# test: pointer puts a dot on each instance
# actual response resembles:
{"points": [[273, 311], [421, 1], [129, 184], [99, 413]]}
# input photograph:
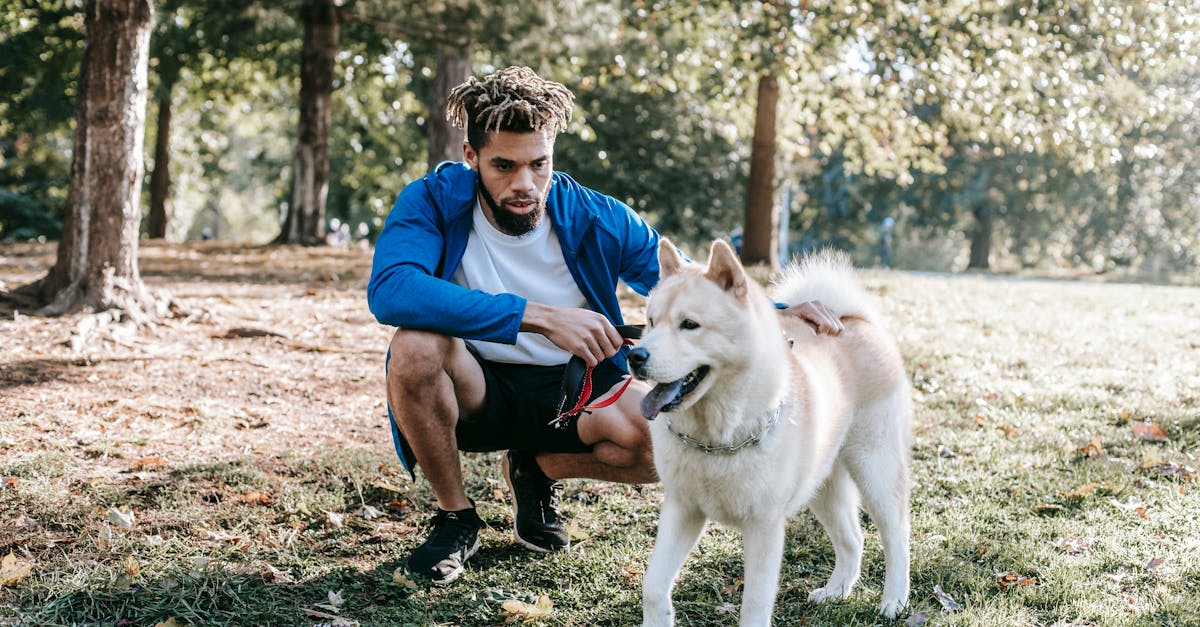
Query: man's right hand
{"points": [[582, 332]]}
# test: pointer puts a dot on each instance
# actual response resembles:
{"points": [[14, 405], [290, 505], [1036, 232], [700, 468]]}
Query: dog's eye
{"points": [[688, 325]]}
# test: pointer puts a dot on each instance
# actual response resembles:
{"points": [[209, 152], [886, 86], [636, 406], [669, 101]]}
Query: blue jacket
{"points": [[425, 235]]}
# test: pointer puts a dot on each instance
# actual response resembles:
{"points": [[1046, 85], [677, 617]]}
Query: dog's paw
{"points": [[828, 593], [891, 608]]}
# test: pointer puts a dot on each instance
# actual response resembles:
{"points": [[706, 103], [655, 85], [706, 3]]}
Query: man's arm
{"points": [[582, 332], [403, 290]]}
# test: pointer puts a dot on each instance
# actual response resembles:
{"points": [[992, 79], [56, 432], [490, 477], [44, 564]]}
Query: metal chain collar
{"points": [[728, 449]]}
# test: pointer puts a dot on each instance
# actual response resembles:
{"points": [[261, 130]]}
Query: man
{"points": [[496, 271]]}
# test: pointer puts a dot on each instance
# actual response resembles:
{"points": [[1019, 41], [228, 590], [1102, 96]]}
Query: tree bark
{"points": [[981, 236], [96, 266], [160, 178], [445, 141], [305, 220], [759, 234]]}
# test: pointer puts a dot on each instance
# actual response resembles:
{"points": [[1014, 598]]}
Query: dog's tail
{"points": [[828, 276]]}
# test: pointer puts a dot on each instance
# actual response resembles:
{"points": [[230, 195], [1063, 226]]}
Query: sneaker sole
{"points": [[513, 495], [454, 574]]}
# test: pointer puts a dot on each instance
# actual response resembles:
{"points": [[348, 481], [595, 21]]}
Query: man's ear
{"points": [[470, 156], [725, 270], [669, 259]]}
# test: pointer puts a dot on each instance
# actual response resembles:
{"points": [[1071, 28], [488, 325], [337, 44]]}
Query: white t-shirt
{"points": [[530, 266]]}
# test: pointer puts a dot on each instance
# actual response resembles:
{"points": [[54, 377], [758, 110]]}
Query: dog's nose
{"points": [[637, 361]]}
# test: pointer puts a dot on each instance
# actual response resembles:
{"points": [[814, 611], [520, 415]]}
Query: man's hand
{"points": [[816, 314], [581, 332]]}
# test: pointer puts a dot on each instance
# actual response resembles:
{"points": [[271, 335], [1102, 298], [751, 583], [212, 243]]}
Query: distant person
{"points": [[886, 230], [497, 270]]}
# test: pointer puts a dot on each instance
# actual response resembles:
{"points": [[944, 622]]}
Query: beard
{"points": [[508, 221]]}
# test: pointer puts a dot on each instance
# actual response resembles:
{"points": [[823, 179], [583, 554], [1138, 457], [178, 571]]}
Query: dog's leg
{"points": [[882, 477], [763, 543], [836, 508], [679, 528]]}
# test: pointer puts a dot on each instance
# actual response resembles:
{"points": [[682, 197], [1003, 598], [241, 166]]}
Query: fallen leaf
{"points": [[1169, 469], [383, 485], [170, 622], [1010, 431], [946, 452], [400, 577], [122, 519], [514, 610], [1094, 447], [254, 498], [948, 603], [11, 482], [368, 512], [335, 520], [1150, 432], [270, 574], [148, 463], [1072, 545], [1014, 580], [732, 589], [917, 620], [13, 569], [335, 598], [1155, 563]]}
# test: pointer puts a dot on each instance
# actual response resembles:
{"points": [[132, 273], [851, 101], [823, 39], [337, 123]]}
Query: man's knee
{"points": [[417, 356]]}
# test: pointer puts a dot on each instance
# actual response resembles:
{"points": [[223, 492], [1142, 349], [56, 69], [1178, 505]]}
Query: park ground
{"points": [[231, 464]]}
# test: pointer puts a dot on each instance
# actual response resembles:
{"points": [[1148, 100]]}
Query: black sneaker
{"points": [[537, 523], [453, 539]]}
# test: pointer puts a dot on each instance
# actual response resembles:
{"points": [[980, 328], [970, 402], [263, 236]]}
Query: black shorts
{"points": [[522, 402]]}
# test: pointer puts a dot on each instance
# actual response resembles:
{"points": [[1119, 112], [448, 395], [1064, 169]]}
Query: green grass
{"points": [[1011, 380]]}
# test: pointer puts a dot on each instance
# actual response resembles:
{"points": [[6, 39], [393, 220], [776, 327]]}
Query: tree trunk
{"points": [[305, 220], [981, 236], [445, 141], [160, 178], [759, 233], [97, 265]]}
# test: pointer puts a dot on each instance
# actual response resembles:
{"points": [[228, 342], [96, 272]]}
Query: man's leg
{"points": [[432, 380], [620, 439]]}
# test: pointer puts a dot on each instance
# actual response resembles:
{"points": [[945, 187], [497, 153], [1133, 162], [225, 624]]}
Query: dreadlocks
{"points": [[513, 99]]}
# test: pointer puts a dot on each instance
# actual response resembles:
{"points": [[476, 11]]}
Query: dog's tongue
{"points": [[660, 397]]}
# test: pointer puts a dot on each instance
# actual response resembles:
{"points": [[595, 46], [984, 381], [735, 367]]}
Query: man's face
{"points": [[515, 170]]}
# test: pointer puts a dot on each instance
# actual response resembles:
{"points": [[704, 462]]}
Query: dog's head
{"points": [[696, 326]]}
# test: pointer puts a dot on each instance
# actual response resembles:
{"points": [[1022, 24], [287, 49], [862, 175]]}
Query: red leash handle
{"points": [[586, 392]]}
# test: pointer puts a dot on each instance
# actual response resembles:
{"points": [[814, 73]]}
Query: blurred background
{"points": [[1058, 137]]}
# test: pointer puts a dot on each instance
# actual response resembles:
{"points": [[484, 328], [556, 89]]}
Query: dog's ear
{"points": [[725, 270], [669, 259]]}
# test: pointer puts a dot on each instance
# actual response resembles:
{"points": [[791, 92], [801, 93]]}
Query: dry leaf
{"points": [[917, 620], [1014, 580], [1011, 432], [1155, 563], [270, 574], [148, 463], [1094, 447], [13, 569], [1150, 432], [1072, 545], [254, 498], [170, 622], [732, 589], [122, 519], [400, 577], [514, 610], [335, 520], [368, 512], [11, 482], [947, 601]]}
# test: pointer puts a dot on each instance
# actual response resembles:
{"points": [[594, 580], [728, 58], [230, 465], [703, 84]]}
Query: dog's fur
{"points": [[843, 432]]}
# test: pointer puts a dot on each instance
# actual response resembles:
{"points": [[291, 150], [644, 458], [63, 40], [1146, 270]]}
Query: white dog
{"points": [[763, 417]]}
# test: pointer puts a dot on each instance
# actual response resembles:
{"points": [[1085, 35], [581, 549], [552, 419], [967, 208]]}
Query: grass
{"points": [[1012, 380]]}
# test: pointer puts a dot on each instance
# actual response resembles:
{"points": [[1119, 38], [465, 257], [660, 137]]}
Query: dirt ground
{"points": [[277, 355]]}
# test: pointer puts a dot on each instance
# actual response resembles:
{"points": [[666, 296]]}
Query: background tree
{"points": [[97, 264]]}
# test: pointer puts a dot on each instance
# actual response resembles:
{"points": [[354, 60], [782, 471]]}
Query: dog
{"points": [[762, 416]]}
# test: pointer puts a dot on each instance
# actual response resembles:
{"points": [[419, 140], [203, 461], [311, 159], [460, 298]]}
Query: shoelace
{"points": [[450, 529]]}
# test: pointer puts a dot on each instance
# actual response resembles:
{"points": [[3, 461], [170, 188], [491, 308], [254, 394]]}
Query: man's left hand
{"points": [[817, 315]]}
